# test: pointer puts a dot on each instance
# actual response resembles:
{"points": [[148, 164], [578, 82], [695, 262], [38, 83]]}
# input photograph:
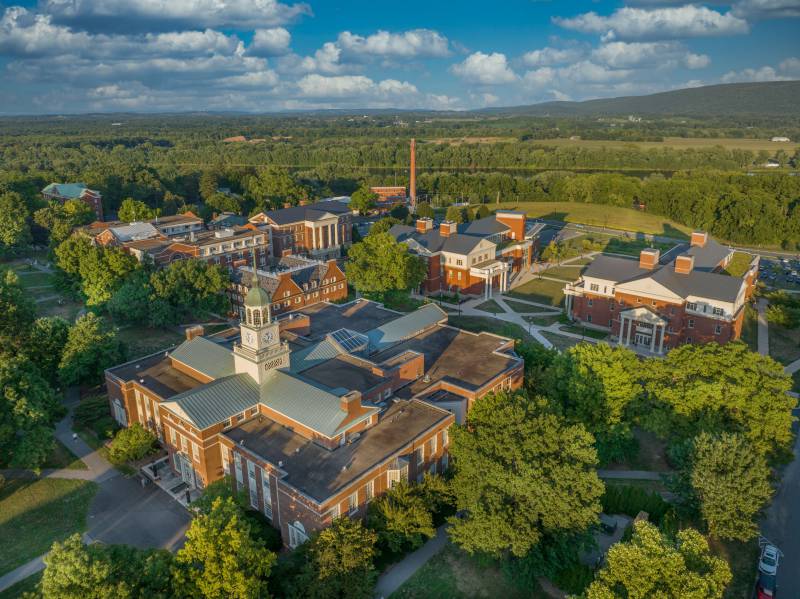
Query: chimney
{"points": [[699, 238], [424, 224], [648, 259], [287, 205], [196, 331], [350, 403], [412, 188], [303, 202], [684, 264], [448, 228]]}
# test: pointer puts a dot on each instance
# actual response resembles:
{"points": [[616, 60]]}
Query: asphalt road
{"points": [[781, 525]]}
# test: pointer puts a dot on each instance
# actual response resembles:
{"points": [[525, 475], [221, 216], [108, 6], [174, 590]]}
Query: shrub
{"points": [[401, 519], [131, 444], [629, 500], [93, 414], [574, 578]]}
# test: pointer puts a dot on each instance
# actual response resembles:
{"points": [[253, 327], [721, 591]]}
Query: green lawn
{"points": [[452, 574], [28, 585], [66, 309], [601, 215], [142, 341], [632, 247], [35, 513], [560, 342], [543, 321], [750, 328], [738, 264], [524, 308], [479, 324], [586, 332], [36, 279], [490, 306], [580, 262], [784, 344], [568, 273], [743, 559], [542, 291], [62, 457]]}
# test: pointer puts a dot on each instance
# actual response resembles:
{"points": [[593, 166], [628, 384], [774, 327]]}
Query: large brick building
{"points": [[657, 303], [318, 412], [61, 192], [319, 230], [473, 258], [293, 282]]}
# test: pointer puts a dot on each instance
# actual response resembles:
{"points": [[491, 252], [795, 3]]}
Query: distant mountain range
{"points": [[773, 98]]}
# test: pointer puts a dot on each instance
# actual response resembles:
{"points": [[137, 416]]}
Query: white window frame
{"points": [[266, 493], [419, 453], [251, 484], [352, 503], [297, 534], [369, 490]]}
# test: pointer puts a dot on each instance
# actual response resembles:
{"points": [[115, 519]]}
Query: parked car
{"points": [[766, 586], [768, 564]]}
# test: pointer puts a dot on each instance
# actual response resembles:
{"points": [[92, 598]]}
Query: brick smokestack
{"points": [[412, 188]]}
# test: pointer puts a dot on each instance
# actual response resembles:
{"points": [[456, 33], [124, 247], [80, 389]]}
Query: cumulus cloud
{"points": [[661, 23], [343, 86], [270, 42], [407, 44], [787, 70], [546, 57], [624, 55], [108, 15], [766, 9], [485, 69]]}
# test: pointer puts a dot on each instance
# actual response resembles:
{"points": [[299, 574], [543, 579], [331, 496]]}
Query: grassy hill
{"points": [[774, 98]]}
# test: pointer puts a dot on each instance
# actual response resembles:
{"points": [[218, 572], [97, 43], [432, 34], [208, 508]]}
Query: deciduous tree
{"points": [[45, 344], [521, 472], [380, 264], [134, 210], [91, 348], [401, 519], [15, 230], [74, 571], [363, 199], [650, 565], [60, 220], [17, 310]]}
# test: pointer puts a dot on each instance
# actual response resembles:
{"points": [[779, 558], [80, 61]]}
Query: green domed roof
{"points": [[257, 297]]}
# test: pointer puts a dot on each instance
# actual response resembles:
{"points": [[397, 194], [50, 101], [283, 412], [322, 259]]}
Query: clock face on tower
{"points": [[266, 337]]}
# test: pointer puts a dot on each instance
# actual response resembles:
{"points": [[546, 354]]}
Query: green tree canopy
{"points": [[383, 225], [17, 310], [28, 408], [338, 563], [650, 565], [91, 348], [60, 220], [45, 344], [74, 571], [130, 444], [719, 388], [456, 214], [424, 210], [270, 187], [731, 481], [379, 264], [521, 472], [401, 518], [131, 302], [221, 559], [134, 210], [187, 288], [208, 184], [15, 229], [594, 384], [363, 200]]}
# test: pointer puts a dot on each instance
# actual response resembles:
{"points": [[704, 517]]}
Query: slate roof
{"points": [[483, 227], [433, 241], [228, 219], [310, 212], [611, 268], [271, 280], [406, 326], [205, 356]]}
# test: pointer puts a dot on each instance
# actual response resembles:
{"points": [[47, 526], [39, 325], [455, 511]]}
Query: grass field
{"points": [[600, 215], [681, 143], [542, 291], [543, 321], [479, 324], [738, 264], [490, 306], [35, 513], [452, 574], [28, 585], [560, 342], [142, 341], [35, 279], [567, 273], [784, 344], [579, 330], [62, 457]]}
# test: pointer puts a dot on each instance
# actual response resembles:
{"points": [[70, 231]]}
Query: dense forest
{"points": [[175, 162]]}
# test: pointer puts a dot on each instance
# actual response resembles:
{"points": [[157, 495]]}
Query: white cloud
{"points": [[766, 9], [637, 55], [348, 86], [661, 23], [787, 70], [485, 69], [270, 42], [171, 14], [546, 57], [540, 77], [407, 44]]}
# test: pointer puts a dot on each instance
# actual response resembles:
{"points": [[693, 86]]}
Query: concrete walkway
{"points": [[793, 367], [763, 327], [630, 474], [393, 578], [122, 511]]}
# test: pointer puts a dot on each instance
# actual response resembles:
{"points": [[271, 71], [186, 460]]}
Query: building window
{"points": [[718, 329], [718, 311], [352, 503], [612, 305], [691, 306], [266, 494], [334, 512], [251, 484], [591, 303], [588, 318], [184, 444], [172, 438], [297, 534], [196, 452], [690, 324], [237, 466], [370, 490], [445, 438], [688, 340], [419, 452], [431, 448], [594, 287], [226, 465]]}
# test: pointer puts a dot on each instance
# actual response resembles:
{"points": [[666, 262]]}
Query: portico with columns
{"points": [[642, 330], [488, 271], [324, 236]]}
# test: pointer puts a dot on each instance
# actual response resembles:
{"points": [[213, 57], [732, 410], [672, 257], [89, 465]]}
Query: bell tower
{"points": [[260, 349]]}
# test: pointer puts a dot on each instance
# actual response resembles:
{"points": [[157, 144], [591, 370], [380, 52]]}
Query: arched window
{"points": [[249, 316], [256, 317]]}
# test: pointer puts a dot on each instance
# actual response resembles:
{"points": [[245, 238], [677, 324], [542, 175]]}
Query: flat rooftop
{"points": [[340, 372], [157, 373], [466, 359], [319, 472], [360, 316]]}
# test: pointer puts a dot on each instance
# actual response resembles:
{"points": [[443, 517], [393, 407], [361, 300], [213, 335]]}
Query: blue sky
{"points": [[73, 56]]}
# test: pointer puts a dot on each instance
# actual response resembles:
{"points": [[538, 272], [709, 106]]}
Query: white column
{"points": [[630, 326], [661, 342], [621, 329], [653, 340], [336, 231]]}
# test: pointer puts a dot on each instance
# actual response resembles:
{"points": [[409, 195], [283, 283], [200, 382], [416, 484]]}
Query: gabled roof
{"points": [[483, 227], [405, 327], [66, 190], [205, 356], [228, 218], [433, 241], [312, 355], [610, 268], [310, 212], [216, 401]]}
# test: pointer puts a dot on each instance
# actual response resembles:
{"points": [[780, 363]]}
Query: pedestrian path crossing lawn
{"points": [[541, 291]]}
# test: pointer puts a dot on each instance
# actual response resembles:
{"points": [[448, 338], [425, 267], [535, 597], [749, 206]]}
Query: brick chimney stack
{"points": [[412, 188], [699, 238], [424, 225], [195, 331], [350, 403], [648, 258], [684, 264], [448, 228]]}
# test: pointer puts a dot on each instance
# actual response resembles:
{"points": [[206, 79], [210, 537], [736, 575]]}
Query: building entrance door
{"points": [[187, 472], [641, 339]]}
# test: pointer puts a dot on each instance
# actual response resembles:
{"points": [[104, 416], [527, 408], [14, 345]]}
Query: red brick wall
{"points": [[517, 225]]}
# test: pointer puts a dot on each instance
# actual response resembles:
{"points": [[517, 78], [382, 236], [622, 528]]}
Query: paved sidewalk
{"points": [[631, 474], [763, 327], [793, 367], [393, 578]]}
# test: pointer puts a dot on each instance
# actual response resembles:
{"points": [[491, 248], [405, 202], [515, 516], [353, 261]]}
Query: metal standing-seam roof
{"points": [[312, 355], [66, 190], [206, 357], [216, 401], [405, 327]]}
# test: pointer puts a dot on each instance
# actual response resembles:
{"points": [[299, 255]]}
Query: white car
{"points": [[768, 564]]}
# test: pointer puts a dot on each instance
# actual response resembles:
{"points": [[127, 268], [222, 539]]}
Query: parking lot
{"points": [[783, 274]]}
